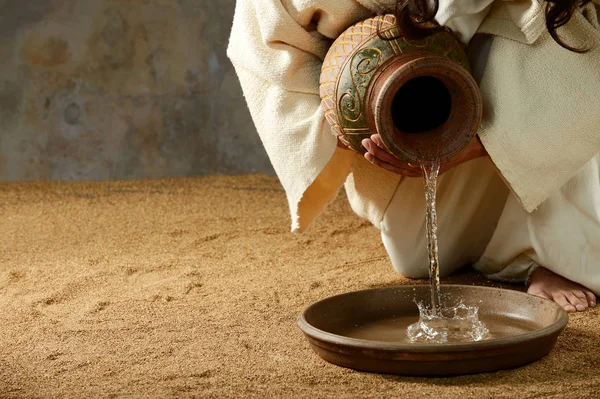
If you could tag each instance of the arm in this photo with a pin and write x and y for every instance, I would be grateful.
(277, 49)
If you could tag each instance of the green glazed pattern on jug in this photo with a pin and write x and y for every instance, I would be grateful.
(352, 65)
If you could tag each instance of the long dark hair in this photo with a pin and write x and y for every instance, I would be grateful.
(415, 18)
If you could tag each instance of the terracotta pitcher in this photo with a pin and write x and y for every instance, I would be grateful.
(418, 95)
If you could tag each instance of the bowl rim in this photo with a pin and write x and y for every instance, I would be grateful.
(357, 343)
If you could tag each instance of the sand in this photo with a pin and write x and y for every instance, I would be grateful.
(191, 288)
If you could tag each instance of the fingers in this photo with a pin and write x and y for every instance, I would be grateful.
(376, 147)
(377, 155)
(388, 166)
(379, 142)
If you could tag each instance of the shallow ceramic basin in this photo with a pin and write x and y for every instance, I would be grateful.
(366, 330)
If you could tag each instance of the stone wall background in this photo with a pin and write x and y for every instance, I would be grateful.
(121, 89)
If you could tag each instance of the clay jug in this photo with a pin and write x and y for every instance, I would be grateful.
(418, 95)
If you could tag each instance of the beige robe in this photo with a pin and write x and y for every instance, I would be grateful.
(540, 126)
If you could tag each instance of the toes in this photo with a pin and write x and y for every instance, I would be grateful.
(562, 300)
(568, 294)
(577, 299)
(591, 298)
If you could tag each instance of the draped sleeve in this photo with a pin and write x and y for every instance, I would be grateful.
(277, 48)
(541, 119)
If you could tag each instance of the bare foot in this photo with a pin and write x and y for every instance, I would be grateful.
(571, 296)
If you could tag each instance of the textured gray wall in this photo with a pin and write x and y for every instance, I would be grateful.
(118, 89)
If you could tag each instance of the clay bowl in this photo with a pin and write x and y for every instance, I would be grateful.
(366, 330)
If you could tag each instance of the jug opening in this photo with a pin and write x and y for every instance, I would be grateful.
(423, 106)
(420, 105)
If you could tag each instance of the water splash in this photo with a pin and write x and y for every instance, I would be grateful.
(459, 323)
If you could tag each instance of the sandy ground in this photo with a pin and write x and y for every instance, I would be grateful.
(191, 288)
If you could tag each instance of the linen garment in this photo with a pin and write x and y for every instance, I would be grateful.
(541, 127)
